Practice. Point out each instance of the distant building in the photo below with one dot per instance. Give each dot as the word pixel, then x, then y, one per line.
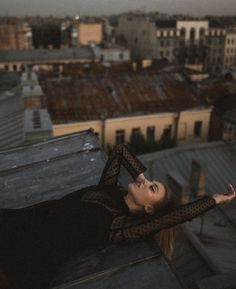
pixel 22 117
pixel 215 47
pixel 15 35
pixel 127 105
pixel 115 54
pixel 47 59
pixel 87 33
pixel 230 49
pixel 197 44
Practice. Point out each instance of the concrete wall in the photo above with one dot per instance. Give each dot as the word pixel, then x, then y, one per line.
pixel 15 36
pixel 128 123
pixel 186 124
pixel 115 55
pixel 62 129
pixel 89 32
pixel 139 33
pixel 107 129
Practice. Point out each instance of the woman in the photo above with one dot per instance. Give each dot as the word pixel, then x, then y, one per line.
pixel 37 239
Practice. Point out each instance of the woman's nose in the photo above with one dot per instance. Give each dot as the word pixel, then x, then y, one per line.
pixel 143 182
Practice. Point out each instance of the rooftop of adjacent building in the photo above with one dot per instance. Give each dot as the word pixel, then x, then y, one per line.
pixel 118 94
pixel 218 234
pixel 11 110
pixel 50 170
pixel 46 54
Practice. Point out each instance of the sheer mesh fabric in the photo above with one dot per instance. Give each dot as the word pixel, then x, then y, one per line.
pixel 120 156
pixel 127 229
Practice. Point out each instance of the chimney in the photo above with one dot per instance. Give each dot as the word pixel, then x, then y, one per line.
pixel 179 186
pixel 198 178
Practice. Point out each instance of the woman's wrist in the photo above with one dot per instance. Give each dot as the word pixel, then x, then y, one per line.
pixel 227 197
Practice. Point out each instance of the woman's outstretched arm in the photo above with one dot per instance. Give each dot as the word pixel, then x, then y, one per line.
pixel 120 156
pixel 125 229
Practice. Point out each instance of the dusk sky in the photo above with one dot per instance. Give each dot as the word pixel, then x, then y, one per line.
pixel 104 7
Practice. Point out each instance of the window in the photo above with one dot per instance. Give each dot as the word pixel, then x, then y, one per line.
pixel 97 135
pixel 136 133
pixel 151 133
pixel 181 43
pixel 192 35
pixel 167 131
pixel 120 136
pixel 182 32
pixel 197 128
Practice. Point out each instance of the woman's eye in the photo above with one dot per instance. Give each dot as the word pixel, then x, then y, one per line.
pixel 152 188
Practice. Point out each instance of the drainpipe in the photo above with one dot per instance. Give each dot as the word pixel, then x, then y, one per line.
pixel 103 119
pixel 176 126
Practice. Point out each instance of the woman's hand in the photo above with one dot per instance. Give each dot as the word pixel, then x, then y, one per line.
pixel 140 178
pixel 225 198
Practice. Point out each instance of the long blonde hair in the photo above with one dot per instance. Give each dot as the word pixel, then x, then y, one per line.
pixel 166 238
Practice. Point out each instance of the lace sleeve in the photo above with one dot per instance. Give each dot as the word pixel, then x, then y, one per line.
pixel 120 156
pixel 126 229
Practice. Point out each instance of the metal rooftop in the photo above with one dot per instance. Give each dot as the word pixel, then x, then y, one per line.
pixel 82 53
pixel 116 95
pixel 218 235
pixel 50 170
pixel 11 110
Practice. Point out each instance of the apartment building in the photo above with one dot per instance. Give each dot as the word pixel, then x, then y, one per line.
pixel 197 44
pixel 230 49
pixel 127 105
pixel 15 35
pixel 137 32
pixel 191 125
pixel 215 47
pixel 87 32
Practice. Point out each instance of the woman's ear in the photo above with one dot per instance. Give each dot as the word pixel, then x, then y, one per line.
pixel 149 209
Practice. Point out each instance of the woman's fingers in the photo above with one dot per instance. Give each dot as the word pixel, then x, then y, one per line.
pixel 230 189
pixel 227 197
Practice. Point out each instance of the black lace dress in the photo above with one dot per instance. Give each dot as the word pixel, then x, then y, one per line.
pixel 36 240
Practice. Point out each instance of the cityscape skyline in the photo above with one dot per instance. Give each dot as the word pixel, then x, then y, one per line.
pixel 96 7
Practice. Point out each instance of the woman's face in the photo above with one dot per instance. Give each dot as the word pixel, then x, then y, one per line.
pixel 146 192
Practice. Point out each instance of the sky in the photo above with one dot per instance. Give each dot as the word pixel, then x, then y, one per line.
pixel 106 7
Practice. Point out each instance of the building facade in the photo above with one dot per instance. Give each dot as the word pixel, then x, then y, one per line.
pixel 230 49
pixel 215 46
pixel 87 33
pixel 15 35
pixel 197 44
pixel 186 127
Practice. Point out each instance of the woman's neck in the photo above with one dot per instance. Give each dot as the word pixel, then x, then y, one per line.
pixel 133 208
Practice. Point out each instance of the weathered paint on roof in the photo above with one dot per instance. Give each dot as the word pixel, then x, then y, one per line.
pixel 96 97
pixel 50 170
